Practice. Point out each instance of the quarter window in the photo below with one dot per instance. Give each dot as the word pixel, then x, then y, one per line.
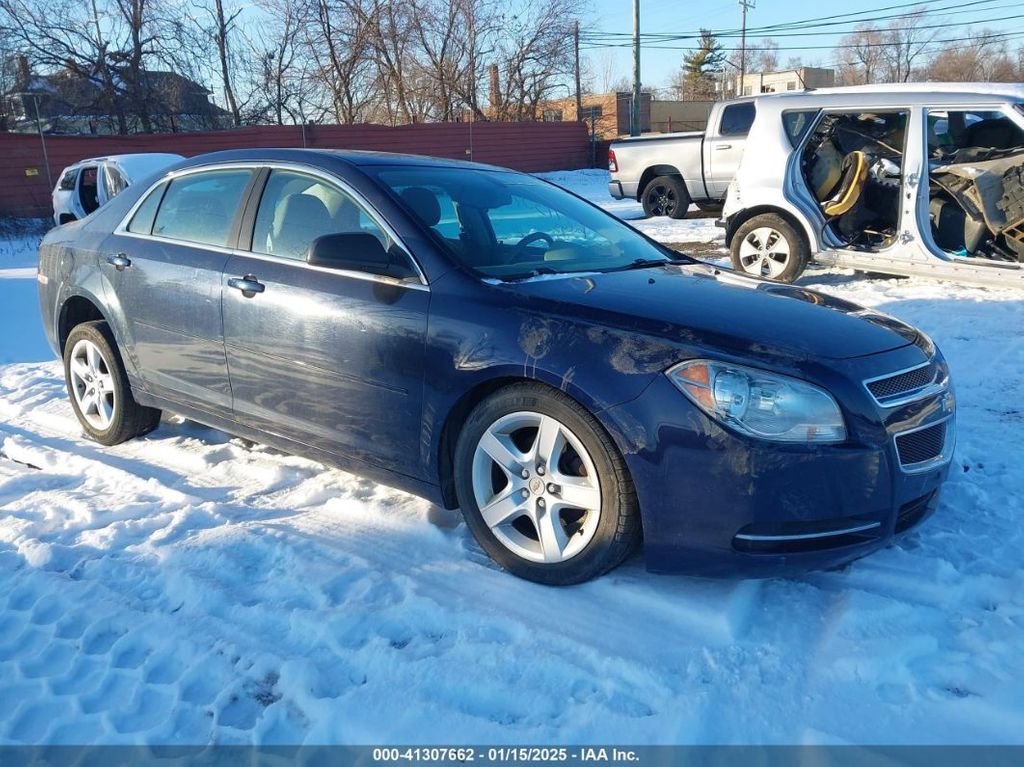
pixel 67 181
pixel 142 221
pixel 296 209
pixel 115 182
pixel 796 124
pixel 200 207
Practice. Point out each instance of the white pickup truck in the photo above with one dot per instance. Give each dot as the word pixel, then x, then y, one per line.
pixel 667 172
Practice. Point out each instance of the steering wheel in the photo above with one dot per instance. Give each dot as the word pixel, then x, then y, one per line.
pixel 533 237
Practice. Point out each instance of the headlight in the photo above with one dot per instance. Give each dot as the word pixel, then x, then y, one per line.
pixel 761 404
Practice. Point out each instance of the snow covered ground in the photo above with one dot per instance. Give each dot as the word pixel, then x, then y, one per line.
pixel 191 588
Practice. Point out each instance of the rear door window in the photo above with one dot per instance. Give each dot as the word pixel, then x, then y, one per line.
pixel 201 207
pixel 737 119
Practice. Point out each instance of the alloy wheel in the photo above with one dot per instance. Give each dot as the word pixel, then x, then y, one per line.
pixel 662 200
pixel 536 487
pixel 92 385
pixel 764 252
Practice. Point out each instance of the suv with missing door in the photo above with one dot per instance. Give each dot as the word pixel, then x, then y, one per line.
pixel 903 179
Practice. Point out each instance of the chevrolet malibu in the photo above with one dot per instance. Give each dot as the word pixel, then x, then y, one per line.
pixel 493 343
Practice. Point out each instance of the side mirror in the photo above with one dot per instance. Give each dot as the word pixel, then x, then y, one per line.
pixel 356 252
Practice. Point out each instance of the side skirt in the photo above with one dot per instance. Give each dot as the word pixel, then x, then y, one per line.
pixel 412 485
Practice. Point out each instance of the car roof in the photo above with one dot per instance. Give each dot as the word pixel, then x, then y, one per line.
pixel 351 157
pixel 134 165
pixel 898 94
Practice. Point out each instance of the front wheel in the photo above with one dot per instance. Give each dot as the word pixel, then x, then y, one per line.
pixel 666 196
pixel 543 488
pixel 98 386
pixel 768 246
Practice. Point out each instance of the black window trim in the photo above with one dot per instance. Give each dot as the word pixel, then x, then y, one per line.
pixel 257 181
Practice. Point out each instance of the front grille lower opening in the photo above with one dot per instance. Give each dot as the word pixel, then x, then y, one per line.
pixel 922 445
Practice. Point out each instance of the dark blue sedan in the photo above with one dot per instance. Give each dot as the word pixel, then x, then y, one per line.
pixel 493 343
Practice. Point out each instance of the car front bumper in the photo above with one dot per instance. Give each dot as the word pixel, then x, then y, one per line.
pixel 719 504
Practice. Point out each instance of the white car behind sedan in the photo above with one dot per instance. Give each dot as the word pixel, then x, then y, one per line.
pixel 88 184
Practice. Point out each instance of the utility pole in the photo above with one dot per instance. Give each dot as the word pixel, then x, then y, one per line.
pixel 635 125
pixel 576 52
pixel 744 4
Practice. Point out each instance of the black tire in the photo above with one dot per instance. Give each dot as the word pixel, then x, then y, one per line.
pixel 618 527
pixel 666 196
pixel 130 419
pixel 799 251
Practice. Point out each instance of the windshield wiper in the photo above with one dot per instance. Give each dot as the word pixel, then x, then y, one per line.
pixel 645 263
pixel 532 273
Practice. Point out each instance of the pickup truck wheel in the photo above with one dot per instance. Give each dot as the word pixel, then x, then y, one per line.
pixel 666 196
pixel 768 246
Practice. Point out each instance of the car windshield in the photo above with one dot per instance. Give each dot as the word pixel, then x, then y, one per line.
pixel 511 226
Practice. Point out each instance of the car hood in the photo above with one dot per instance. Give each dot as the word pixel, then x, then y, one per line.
pixel 701 305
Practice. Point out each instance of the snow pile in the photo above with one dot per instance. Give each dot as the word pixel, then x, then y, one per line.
pixel 192 588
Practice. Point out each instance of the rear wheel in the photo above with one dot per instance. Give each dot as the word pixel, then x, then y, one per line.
pixel 543 488
pixel 768 246
pixel 666 196
pixel 98 387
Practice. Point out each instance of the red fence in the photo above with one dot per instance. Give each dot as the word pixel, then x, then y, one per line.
pixel 532 147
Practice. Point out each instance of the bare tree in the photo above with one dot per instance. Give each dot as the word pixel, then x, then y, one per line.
pixel 533 54
pixel 861 59
pixel 906 39
pixel 984 57
pixel 283 73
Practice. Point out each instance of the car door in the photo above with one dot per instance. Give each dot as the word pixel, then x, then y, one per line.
pixel 86 198
pixel 724 149
pixel 165 267
pixel 330 358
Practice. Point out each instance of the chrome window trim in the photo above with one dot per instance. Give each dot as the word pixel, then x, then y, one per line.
pixel 912 395
pixel 371 211
pixel 809 536
pixel 943 457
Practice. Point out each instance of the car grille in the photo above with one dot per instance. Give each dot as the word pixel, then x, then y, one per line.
pixel 922 445
pixel 901 384
pixel 912 512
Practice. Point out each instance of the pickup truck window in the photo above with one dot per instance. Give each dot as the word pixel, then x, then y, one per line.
pixel 796 124
pixel 737 119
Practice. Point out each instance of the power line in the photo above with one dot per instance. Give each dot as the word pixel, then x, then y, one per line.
pixel 828 21
pixel 972 38
pixel 939 25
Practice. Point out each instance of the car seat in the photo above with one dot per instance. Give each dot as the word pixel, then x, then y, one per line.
pixel 300 219
pixel 423 203
pixel 848 191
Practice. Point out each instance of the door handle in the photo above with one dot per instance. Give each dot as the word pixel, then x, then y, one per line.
pixel 119 261
pixel 720 147
pixel 248 284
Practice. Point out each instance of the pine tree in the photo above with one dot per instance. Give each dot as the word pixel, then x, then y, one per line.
pixel 700 68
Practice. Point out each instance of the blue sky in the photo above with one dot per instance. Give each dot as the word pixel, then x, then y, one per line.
pixel 672 16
